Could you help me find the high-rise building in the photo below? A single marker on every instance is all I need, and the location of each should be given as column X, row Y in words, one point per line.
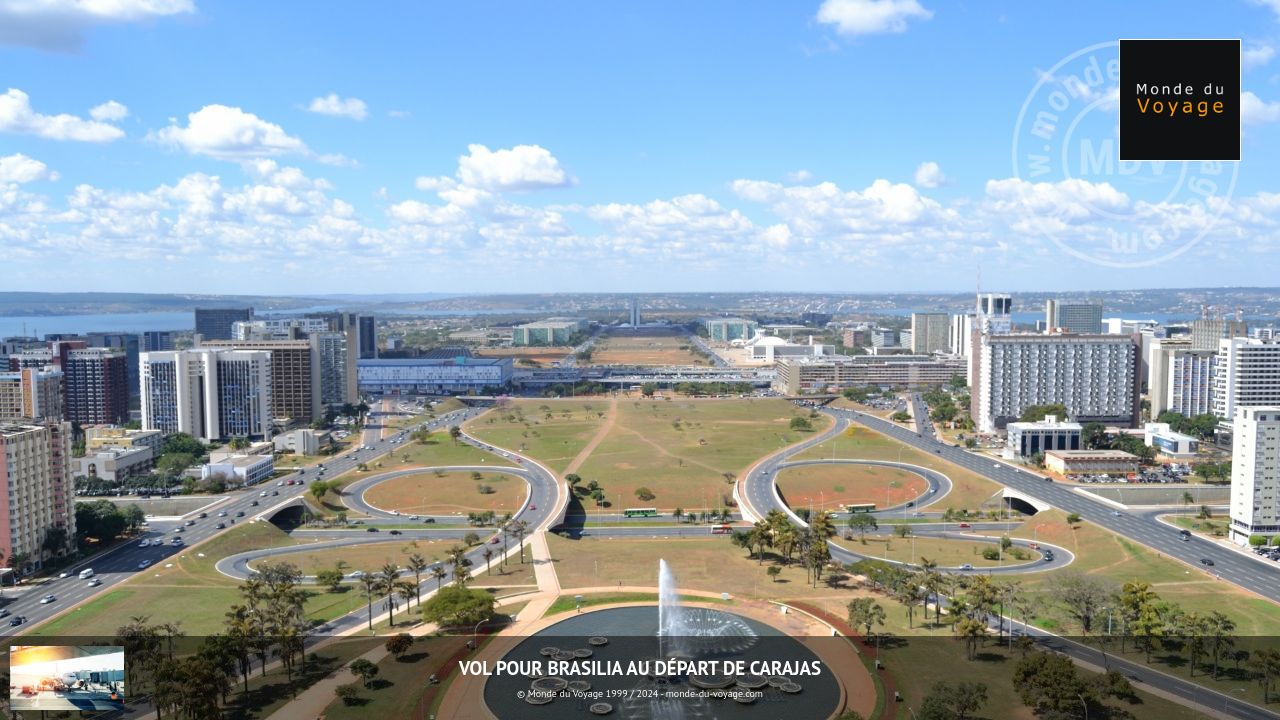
column 348, row 324
column 554, row 331
column 635, row 312
column 295, row 377
column 96, row 386
column 330, row 351
column 37, row 495
column 884, row 337
column 1180, row 379
column 31, row 394
column 992, row 315
column 368, row 337
column 280, row 328
column 1094, row 376
column 1247, row 375
column 1255, row 473
column 1083, row 318
column 210, row 393
column 128, row 343
column 215, row 323
column 1207, row 332
column 157, row 341
column 960, row 334
column 930, row 333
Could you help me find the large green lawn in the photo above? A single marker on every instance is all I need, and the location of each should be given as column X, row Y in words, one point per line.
column 552, row 431
column 688, row 451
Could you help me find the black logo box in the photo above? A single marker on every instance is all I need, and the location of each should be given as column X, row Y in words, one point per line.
column 1187, row 69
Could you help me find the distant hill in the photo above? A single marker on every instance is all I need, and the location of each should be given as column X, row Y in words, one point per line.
column 57, row 303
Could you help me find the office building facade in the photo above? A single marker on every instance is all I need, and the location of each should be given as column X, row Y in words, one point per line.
column 156, row 341
column 216, row 323
column 550, row 332
column 1094, row 376
column 37, row 495
column 930, row 333
column 1255, row 473
column 212, row 394
column 1208, row 333
column 368, row 337
column 434, row 375
column 295, row 377
column 1073, row 317
column 1028, row 438
column 960, row 334
column 802, row 376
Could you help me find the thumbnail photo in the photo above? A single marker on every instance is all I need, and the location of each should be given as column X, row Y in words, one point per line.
column 66, row 677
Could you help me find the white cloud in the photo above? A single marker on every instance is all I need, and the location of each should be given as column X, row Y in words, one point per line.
column 335, row 106
column 1274, row 5
column 17, row 116
column 1066, row 201
column 20, row 169
column 1256, row 111
column 868, row 17
column 60, row 24
column 523, row 167
column 1256, row 56
column 929, row 175
column 798, row 176
column 230, row 133
column 420, row 213
column 109, row 111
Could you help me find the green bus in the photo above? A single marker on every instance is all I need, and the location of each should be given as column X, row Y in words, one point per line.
column 640, row 512
column 861, row 508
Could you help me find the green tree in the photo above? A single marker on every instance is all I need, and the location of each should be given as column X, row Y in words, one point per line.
column 801, row 424
column 645, row 494
column 399, row 644
column 348, row 693
column 1051, row 686
column 417, row 564
column 947, row 701
column 364, row 670
column 1093, row 435
column 331, row 579
column 773, row 571
column 455, row 433
column 1036, row 413
column 458, row 607
column 866, row 613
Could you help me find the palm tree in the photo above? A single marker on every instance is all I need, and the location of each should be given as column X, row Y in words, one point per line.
column 370, row 583
column 972, row 631
column 823, row 523
column 909, row 594
column 407, row 592
column 519, row 528
column 488, row 555
column 439, row 573
column 417, row 564
column 387, row 578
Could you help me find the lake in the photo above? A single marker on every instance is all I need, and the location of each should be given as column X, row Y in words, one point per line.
column 39, row 326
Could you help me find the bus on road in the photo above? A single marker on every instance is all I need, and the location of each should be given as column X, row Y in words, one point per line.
column 721, row 529
column 640, row 512
column 861, row 508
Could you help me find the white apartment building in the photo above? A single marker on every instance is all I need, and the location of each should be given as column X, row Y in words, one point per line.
column 1255, row 473
column 1094, row 376
column 212, row 394
column 1247, row 375
column 1180, row 379
column 960, row 334
column 37, row 497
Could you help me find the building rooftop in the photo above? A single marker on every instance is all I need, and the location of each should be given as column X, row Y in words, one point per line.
column 1049, row 422
column 1086, row 454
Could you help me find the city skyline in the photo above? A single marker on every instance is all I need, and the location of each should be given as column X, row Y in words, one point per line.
column 733, row 147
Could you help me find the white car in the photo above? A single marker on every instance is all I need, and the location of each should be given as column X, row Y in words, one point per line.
column 144, row 543
column 47, row 599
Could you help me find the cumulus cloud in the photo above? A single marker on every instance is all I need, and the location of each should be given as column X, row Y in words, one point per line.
column 60, row 24
column 109, row 111
column 798, row 176
column 1256, row 111
column 335, row 106
column 1256, row 56
column 523, row 167
column 869, row 17
column 19, row 168
column 929, row 175
column 229, row 133
column 17, row 116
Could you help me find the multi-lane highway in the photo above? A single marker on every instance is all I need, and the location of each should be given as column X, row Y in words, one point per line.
column 121, row 563
column 1229, row 565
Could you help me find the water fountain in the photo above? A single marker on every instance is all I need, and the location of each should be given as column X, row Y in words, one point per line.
column 671, row 630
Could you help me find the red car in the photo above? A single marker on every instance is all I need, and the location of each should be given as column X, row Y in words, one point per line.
column 495, row 540
column 965, row 526
column 533, row 507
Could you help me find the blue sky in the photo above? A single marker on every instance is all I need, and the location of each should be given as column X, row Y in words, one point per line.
column 853, row 145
